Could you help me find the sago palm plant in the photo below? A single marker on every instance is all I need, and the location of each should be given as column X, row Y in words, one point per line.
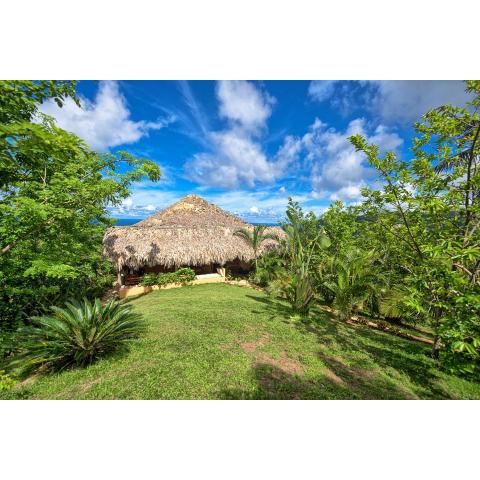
column 78, row 334
column 354, row 280
column 255, row 238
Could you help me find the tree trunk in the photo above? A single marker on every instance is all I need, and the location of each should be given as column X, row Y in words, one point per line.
column 436, row 341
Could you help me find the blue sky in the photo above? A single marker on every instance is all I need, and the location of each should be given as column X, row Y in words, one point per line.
column 248, row 146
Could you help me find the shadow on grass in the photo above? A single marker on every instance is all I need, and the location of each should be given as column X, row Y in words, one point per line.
column 365, row 350
column 273, row 307
column 379, row 349
column 274, row 383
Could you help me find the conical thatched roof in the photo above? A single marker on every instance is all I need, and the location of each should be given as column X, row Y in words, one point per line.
column 189, row 232
column 192, row 211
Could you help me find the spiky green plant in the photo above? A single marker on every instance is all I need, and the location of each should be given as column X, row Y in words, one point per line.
column 354, row 280
column 77, row 335
column 269, row 268
column 300, row 252
column 255, row 238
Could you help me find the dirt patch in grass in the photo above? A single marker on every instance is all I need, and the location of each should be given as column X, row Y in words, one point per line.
column 333, row 377
column 250, row 347
column 288, row 365
column 283, row 362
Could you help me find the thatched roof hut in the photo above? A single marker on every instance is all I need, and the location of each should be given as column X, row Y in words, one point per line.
column 191, row 232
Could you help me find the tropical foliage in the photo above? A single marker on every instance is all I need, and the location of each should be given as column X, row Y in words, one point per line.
column 255, row 237
column 76, row 335
column 182, row 275
column 410, row 250
column 54, row 191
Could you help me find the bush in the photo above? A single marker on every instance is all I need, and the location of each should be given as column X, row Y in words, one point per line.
column 8, row 341
column 76, row 335
column 149, row 280
column 270, row 267
column 6, row 382
column 183, row 276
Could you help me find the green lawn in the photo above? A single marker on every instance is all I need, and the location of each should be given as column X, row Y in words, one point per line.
column 227, row 342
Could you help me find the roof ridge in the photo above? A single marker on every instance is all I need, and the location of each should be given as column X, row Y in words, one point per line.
column 192, row 210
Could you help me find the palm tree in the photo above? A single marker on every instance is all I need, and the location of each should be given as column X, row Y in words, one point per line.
column 255, row 238
column 354, row 281
column 301, row 252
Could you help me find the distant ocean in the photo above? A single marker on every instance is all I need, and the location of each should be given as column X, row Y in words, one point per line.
column 123, row 222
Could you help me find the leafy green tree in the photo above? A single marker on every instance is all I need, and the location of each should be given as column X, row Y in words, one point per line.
column 430, row 206
column 341, row 225
column 255, row 238
column 54, row 193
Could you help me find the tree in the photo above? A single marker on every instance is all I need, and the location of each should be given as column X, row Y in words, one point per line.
column 430, row 205
column 255, row 238
column 54, row 193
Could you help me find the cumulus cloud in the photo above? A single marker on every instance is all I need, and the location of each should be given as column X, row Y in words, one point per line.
column 104, row 122
column 235, row 156
column 244, row 105
column 235, row 160
column 338, row 172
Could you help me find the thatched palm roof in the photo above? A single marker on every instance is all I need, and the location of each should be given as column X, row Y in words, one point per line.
column 189, row 232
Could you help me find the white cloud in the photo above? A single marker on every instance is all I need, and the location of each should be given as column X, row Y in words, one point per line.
column 244, row 104
column 347, row 193
column 321, row 90
column 127, row 203
column 104, row 122
column 338, row 172
column 407, row 100
column 144, row 200
column 264, row 205
column 235, row 157
column 235, row 160
column 282, row 189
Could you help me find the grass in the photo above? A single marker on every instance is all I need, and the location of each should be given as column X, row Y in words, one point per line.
column 220, row 341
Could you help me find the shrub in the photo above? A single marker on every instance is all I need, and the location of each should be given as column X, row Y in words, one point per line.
column 77, row 335
column 270, row 267
column 166, row 278
column 185, row 275
column 8, row 341
column 182, row 275
column 6, row 382
column 149, row 280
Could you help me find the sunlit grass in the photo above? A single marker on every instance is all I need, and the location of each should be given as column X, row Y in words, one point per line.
column 223, row 341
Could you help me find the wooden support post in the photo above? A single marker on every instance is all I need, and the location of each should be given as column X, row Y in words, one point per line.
column 119, row 275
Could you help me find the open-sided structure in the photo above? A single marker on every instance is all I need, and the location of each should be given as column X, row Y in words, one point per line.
column 191, row 232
